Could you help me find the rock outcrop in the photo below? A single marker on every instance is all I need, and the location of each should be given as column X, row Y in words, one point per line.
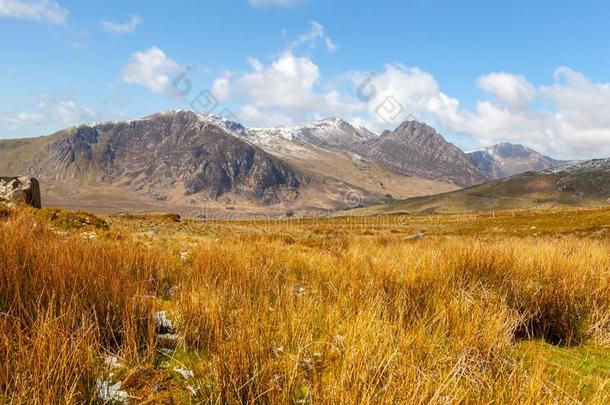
column 20, row 190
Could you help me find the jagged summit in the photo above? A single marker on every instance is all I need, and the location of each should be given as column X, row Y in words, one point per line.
column 417, row 149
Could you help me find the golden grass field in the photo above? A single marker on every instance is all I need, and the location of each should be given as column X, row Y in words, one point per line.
column 511, row 307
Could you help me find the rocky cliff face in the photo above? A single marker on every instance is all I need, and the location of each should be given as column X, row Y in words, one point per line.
column 506, row 159
column 166, row 152
column 416, row 149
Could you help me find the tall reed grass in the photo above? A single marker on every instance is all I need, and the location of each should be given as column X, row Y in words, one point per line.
column 310, row 318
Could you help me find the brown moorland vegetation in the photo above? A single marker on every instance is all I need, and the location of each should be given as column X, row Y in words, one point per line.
column 510, row 307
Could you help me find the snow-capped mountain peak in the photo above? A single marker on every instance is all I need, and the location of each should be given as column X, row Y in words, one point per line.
column 328, row 132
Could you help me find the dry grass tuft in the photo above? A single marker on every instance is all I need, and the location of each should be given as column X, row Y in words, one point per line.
column 315, row 313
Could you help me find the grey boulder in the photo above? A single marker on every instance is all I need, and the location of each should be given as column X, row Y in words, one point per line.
column 20, row 190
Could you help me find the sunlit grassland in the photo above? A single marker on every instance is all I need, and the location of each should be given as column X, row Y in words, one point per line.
column 511, row 307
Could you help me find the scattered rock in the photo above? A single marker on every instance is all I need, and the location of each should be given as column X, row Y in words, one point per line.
column 166, row 350
column 20, row 190
column 163, row 324
column 299, row 289
column 148, row 234
column 112, row 361
column 417, row 236
column 167, row 340
column 166, row 333
column 89, row 235
column 111, row 393
column 278, row 351
column 185, row 373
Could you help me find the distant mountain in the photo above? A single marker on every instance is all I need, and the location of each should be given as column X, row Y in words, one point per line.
column 327, row 150
column 413, row 149
column 579, row 184
column 161, row 155
column 178, row 159
column 506, row 159
column 416, row 149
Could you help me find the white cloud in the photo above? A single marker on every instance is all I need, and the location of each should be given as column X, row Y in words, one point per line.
column 264, row 3
column 311, row 38
column 567, row 119
column 575, row 125
column 330, row 45
column 263, row 119
column 400, row 92
column 118, row 28
column 51, row 109
column 512, row 91
column 24, row 119
column 221, row 88
column 288, row 82
column 69, row 112
column 152, row 69
column 35, row 10
column 580, row 101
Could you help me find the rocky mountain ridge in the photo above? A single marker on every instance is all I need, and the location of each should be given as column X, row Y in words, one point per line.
column 506, row 159
column 181, row 158
column 162, row 154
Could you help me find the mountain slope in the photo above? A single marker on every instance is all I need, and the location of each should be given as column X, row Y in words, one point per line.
column 506, row 159
column 573, row 185
column 416, row 149
column 162, row 155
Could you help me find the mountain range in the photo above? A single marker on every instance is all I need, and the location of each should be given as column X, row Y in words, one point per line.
column 178, row 160
column 575, row 184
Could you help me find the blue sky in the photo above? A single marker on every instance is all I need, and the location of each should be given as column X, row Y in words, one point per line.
column 481, row 72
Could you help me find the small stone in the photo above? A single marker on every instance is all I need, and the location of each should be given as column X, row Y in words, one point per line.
column 111, row 393
column 163, row 323
column 112, row 361
column 185, row 373
column 417, row 236
column 299, row 289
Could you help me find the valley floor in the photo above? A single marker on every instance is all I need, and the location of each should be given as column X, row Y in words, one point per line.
column 508, row 307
